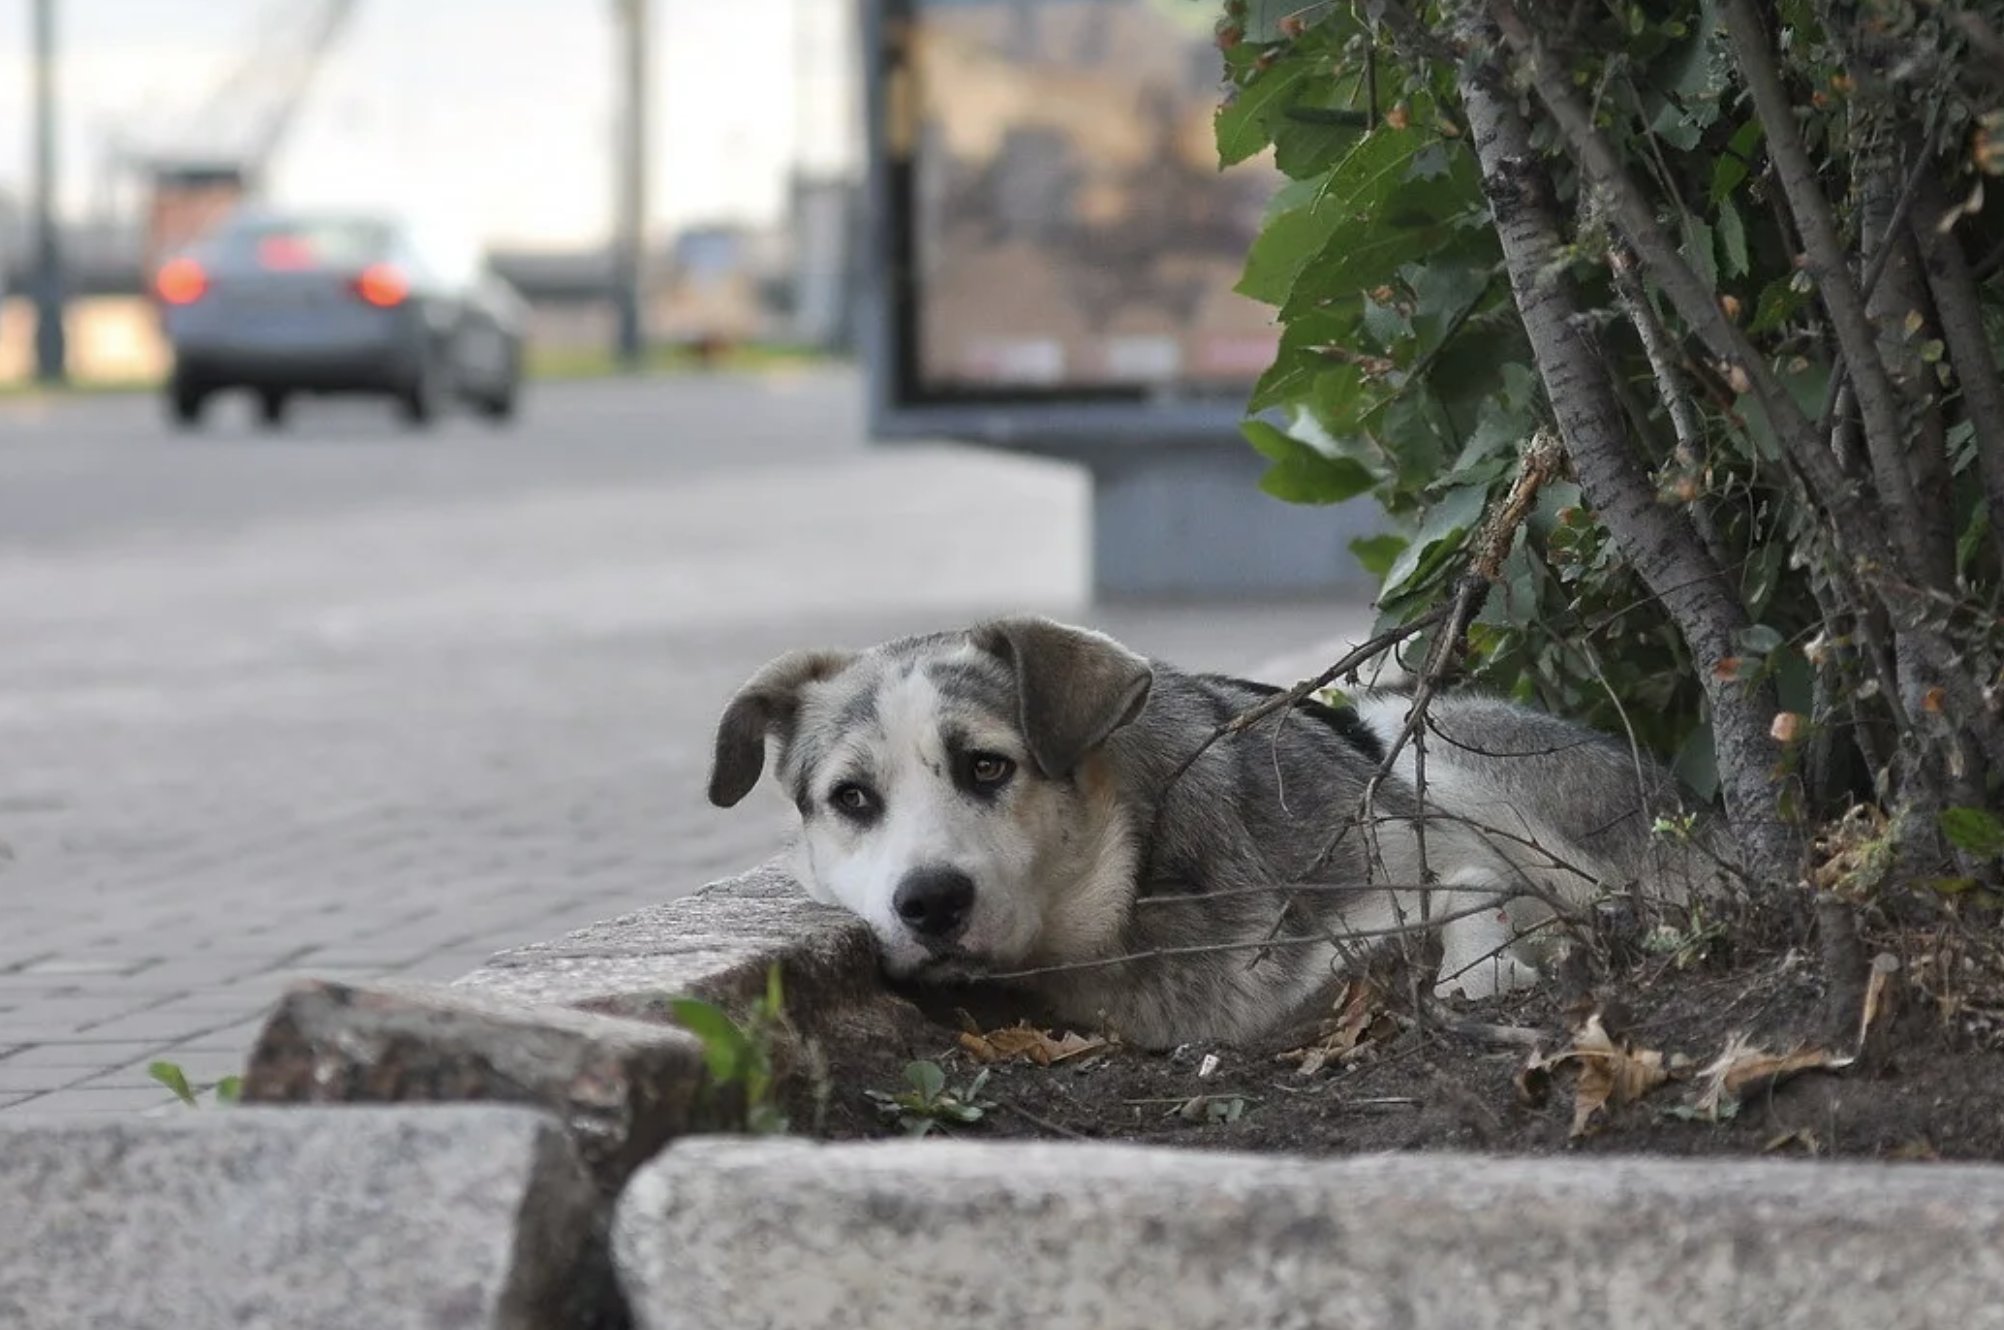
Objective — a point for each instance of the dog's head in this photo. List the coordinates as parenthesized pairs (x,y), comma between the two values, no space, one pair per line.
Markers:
(947,785)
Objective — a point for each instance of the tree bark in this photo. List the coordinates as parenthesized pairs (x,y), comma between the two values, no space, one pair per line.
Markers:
(1855,521)
(1658,541)
(1961,315)
(1878,400)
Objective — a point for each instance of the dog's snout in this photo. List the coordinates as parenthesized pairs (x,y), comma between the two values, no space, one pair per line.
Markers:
(935,902)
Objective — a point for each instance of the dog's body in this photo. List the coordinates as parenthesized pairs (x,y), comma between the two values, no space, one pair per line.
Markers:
(1016,798)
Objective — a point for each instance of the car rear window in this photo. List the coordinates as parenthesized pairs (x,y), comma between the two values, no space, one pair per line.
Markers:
(306,243)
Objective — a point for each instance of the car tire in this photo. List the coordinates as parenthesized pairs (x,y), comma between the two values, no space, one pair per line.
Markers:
(418,402)
(185,403)
(500,406)
(271,409)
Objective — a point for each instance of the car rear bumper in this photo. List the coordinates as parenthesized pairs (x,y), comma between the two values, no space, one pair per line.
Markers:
(380,368)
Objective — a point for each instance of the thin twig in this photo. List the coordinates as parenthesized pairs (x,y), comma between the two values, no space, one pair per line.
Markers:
(1039,1121)
(1218,948)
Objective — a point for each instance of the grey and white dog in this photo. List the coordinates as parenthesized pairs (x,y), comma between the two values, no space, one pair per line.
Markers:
(1013,798)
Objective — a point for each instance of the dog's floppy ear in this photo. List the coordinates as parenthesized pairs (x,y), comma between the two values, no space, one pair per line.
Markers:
(1074,687)
(768,701)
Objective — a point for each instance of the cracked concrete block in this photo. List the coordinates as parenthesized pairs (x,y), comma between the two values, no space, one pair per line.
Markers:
(623,1087)
(306,1219)
(719,1233)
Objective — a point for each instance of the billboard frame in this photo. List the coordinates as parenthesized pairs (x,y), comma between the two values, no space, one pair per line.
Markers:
(1074,424)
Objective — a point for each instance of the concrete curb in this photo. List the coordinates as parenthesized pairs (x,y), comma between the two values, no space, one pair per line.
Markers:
(370,1219)
(786,1234)
(716,944)
(580,1025)
(622,1087)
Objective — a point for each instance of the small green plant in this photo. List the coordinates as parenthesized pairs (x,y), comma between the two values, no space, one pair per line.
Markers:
(740,1056)
(169,1074)
(1687,946)
(929,1103)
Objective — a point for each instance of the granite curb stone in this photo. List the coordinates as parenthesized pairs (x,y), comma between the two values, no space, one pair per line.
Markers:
(622,1087)
(786,1235)
(308,1219)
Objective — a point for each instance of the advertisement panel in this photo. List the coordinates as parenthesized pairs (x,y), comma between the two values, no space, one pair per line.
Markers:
(1055,246)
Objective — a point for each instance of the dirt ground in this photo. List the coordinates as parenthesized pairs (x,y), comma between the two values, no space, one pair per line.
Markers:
(1710,1049)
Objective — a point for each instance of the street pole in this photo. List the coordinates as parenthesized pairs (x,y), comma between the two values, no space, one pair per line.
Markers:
(48,275)
(630,247)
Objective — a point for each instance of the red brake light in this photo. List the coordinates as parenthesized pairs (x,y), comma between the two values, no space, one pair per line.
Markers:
(180,282)
(383,285)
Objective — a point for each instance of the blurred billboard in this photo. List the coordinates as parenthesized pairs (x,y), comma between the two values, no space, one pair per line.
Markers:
(1054,245)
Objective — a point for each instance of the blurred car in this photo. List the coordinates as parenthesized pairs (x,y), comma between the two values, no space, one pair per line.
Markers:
(283,303)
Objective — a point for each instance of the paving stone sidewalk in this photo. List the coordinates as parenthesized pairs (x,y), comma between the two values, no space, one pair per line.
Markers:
(255,732)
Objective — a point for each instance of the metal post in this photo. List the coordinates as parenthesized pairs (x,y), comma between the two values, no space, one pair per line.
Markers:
(48,277)
(630,247)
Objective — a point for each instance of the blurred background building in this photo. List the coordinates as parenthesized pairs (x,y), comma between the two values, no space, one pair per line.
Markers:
(501,119)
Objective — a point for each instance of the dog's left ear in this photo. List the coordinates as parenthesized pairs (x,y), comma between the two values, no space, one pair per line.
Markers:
(1074,687)
(768,702)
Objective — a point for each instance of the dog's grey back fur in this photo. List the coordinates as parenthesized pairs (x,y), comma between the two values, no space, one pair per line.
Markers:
(1567,811)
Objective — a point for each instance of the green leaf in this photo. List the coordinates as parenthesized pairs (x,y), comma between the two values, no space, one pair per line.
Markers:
(1973,831)
(1246,127)
(725,1048)
(1735,163)
(775,996)
(926,1079)
(1270,441)
(1315,479)
(1733,238)
(1300,360)
(1376,553)
(1757,640)
(1779,301)
(170,1075)
(1443,291)
(1387,325)
(1314,132)
(1697,763)
(230,1089)
(1376,218)
(1445,525)
(1975,534)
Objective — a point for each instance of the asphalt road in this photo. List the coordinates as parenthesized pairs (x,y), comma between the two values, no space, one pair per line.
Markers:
(352,701)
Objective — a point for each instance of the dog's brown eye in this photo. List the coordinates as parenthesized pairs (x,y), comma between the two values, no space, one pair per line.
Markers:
(989,769)
(853,799)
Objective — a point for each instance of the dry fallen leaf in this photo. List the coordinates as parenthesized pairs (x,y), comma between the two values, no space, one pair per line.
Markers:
(1878,990)
(1358,1019)
(1743,1065)
(1610,1073)
(1027,1043)
(1802,1136)
(1787,726)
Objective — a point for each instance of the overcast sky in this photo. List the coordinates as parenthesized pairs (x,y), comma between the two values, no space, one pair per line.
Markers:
(490,114)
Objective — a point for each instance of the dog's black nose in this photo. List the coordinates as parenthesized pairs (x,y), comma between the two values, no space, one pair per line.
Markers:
(935,902)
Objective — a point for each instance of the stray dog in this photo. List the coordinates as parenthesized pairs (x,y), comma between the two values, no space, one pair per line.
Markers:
(1015,798)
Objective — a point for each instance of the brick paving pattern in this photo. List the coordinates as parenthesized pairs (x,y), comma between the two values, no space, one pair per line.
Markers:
(347,703)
